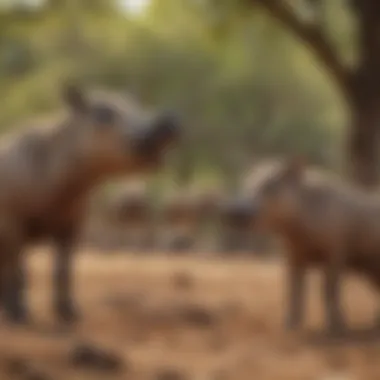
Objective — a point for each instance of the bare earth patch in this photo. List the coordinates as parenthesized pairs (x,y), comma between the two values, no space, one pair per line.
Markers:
(172,318)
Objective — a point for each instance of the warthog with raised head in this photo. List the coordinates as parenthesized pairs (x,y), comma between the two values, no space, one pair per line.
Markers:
(47,173)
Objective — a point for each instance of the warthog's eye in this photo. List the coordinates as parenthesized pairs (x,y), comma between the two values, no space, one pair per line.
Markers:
(104,116)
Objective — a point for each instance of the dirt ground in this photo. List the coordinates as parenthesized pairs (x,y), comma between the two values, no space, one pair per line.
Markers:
(185,318)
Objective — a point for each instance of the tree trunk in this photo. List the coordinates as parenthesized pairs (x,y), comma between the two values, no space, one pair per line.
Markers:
(363,147)
(365,106)
(364,132)
(360,86)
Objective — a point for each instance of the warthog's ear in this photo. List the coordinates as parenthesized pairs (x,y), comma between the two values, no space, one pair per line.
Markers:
(74,97)
(295,167)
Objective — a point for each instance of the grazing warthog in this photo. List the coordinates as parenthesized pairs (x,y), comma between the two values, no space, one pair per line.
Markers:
(48,172)
(323,222)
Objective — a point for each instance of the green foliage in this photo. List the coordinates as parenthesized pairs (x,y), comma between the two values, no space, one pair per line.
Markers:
(244,87)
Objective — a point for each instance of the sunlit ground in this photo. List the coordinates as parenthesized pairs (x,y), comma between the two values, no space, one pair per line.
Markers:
(194,318)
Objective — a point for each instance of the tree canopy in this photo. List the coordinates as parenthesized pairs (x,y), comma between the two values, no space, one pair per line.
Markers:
(245,88)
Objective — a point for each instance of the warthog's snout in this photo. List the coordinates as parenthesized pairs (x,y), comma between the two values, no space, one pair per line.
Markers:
(163,131)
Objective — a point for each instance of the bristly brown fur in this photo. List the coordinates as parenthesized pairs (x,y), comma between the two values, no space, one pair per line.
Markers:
(48,170)
(323,222)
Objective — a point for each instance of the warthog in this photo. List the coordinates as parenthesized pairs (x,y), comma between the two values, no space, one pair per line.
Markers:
(47,173)
(324,223)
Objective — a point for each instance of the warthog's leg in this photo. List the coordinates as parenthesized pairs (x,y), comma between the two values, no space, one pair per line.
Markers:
(332,287)
(13,292)
(63,282)
(296,296)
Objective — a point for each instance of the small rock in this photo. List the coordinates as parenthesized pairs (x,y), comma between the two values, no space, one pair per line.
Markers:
(91,357)
(169,374)
(198,316)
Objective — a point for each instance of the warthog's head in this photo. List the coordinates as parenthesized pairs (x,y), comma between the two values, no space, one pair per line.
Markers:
(271,195)
(113,134)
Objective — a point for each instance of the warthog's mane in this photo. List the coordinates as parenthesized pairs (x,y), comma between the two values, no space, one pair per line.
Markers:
(314,177)
(265,170)
(53,122)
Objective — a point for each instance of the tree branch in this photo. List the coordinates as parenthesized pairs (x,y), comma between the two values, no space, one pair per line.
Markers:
(312,36)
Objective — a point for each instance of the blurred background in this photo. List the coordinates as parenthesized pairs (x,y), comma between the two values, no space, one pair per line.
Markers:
(250,83)
(245,87)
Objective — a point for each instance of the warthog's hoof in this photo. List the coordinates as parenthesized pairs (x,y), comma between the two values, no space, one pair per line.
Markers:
(170,374)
